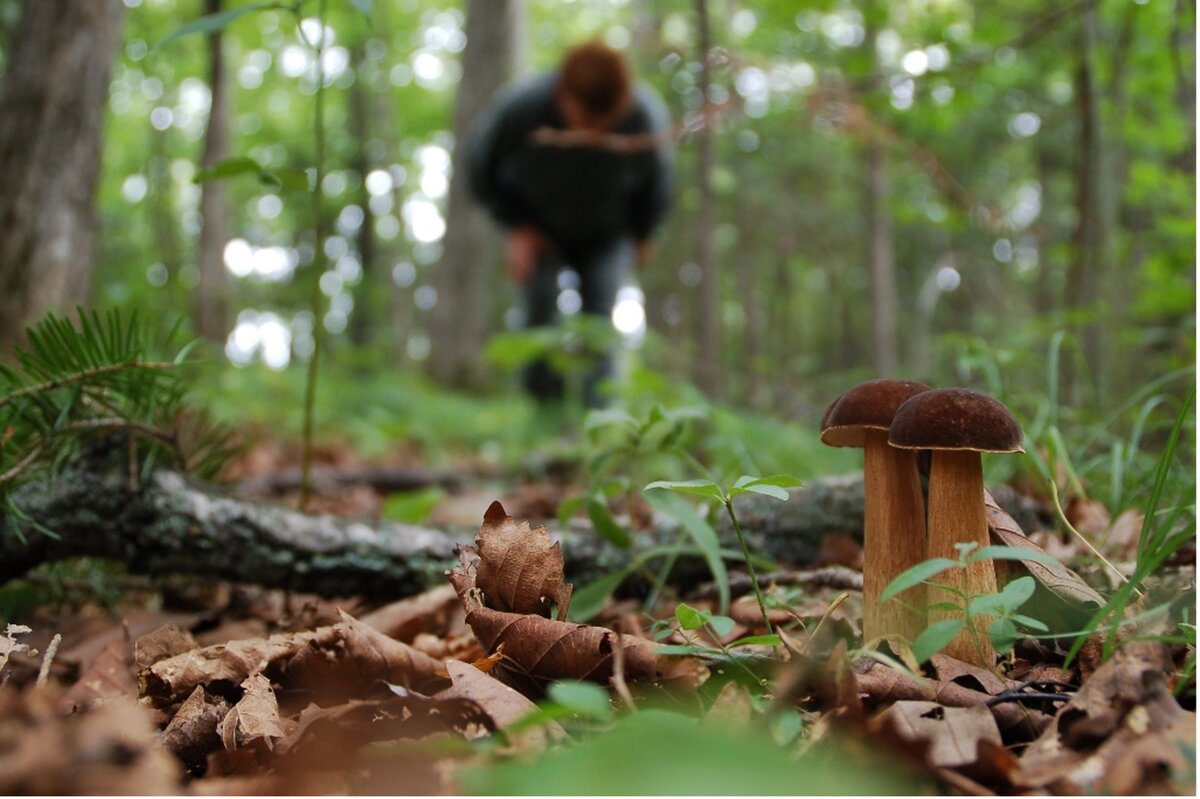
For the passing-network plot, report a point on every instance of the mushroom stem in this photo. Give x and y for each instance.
(957, 515)
(893, 538)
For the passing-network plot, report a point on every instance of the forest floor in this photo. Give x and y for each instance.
(168, 685)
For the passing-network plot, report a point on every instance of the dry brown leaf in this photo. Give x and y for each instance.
(503, 704)
(355, 657)
(544, 649)
(432, 612)
(345, 657)
(329, 737)
(519, 569)
(1124, 701)
(1088, 516)
(107, 749)
(881, 684)
(255, 718)
(9, 644)
(1062, 583)
(110, 675)
(170, 680)
(192, 733)
(953, 733)
(167, 641)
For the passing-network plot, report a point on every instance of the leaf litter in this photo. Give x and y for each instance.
(401, 698)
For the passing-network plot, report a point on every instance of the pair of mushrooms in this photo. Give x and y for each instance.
(892, 420)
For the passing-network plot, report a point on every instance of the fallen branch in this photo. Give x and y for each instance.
(173, 524)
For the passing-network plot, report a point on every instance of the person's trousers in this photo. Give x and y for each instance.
(601, 273)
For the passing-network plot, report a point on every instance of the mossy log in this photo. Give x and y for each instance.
(171, 524)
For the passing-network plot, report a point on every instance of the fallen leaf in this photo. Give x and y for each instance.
(1126, 700)
(192, 733)
(519, 569)
(355, 657)
(342, 658)
(503, 704)
(953, 733)
(9, 644)
(255, 718)
(429, 612)
(110, 675)
(541, 649)
(106, 749)
(167, 641)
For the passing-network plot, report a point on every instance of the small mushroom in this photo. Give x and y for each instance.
(958, 425)
(894, 519)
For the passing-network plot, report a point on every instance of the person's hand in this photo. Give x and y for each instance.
(525, 245)
(645, 252)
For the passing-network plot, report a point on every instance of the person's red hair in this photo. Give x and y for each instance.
(597, 77)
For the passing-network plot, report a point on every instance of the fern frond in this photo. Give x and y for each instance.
(107, 374)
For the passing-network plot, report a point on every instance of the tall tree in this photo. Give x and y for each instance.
(466, 277)
(881, 250)
(211, 298)
(708, 333)
(52, 108)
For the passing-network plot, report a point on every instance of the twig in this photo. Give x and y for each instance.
(51, 650)
(1063, 516)
(618, 677)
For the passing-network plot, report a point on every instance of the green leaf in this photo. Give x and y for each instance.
(1013, 553)
(364, 7)
(1030, 623)
(212, 23)
(721, 625)
(689, 617)
(590, 599)
(1006, 601)
(916, 575)
(567, 508)
(702, 533)
(766, 490)
(935, 637)
(234, 166)
(606, 525)
(756, 640)
(685, 649)
(700, 488)
(412, 507)
(1003, 634)
(779, 480)
(585, 698)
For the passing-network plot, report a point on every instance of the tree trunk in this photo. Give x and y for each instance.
(212, 290)
(362, 321)
(708, 353)
(51, 129)
(469, 272)
(1089, 255)
(881, 255)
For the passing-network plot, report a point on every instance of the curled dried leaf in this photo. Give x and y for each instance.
(546, 649)
(520, 569)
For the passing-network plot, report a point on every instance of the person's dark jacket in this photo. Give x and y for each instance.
(583, 198)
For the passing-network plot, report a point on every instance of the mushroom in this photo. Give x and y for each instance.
(894, 519)
(958, 425)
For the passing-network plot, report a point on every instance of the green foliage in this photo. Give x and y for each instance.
(656, 752)
(76, 383)
(1002, 606)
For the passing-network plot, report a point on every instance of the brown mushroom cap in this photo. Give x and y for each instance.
(956, 419)
(869, 405)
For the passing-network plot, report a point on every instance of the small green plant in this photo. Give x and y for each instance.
(774, 486)
(1165, 531)
(74, 383)
(1001, 606)
(692, 620)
